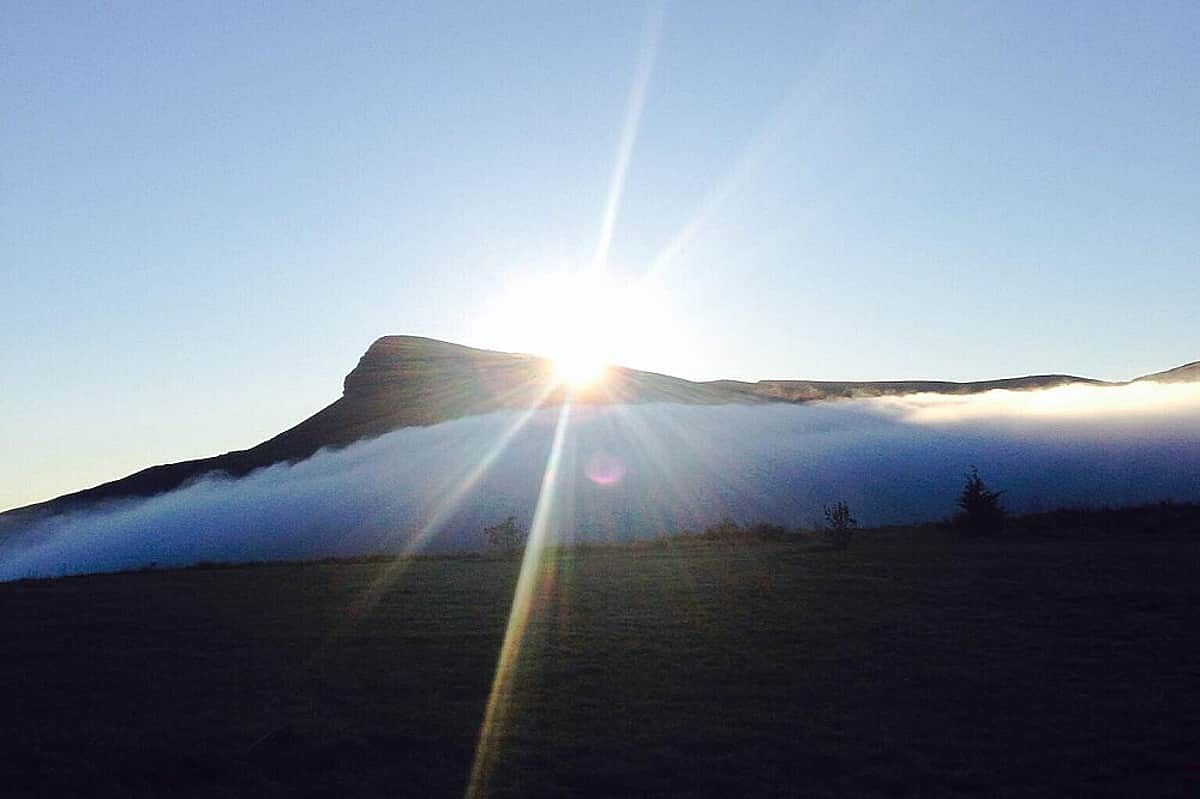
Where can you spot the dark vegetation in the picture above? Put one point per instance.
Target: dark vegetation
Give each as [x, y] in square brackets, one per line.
[1056, 659]
[982, 512]
[729, 531]
[505, 536]
[840, 524]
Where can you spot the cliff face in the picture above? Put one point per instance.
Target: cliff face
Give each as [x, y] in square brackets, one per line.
[422, 379]
[393, 363]
[405, 380]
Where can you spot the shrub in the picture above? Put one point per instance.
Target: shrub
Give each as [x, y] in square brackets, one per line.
[981, 509]
[505, 536]
[766, 531]
[724, 529]
[840, 524]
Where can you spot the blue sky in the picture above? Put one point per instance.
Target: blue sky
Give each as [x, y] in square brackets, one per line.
[208, 212]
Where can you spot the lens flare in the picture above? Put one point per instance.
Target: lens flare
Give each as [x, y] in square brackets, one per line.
[604, 469]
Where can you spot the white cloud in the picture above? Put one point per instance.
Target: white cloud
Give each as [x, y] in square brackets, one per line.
[641, 470]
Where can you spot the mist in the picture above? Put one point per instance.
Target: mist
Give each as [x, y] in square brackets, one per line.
[628, 472]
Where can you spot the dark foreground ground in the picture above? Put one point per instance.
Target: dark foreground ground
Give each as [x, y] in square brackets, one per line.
[912, 665]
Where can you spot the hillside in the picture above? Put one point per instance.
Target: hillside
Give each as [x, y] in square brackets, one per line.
[1188, 373]
[406, 381]
[814, 390]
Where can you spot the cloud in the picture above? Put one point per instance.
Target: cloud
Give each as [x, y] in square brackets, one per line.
[1137, 403]
[637, 471]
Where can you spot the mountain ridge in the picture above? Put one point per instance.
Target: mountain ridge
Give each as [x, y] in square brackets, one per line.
[1187, 373]
[405, 381]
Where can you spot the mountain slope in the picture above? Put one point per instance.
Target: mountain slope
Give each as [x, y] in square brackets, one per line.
[813, 390]
[404, 381]
[1188, 373]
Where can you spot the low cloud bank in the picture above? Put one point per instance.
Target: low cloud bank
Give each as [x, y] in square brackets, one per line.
[638, 471]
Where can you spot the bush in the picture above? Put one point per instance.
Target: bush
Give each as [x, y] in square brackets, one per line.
[840, 524]
[766, 531]
[725, 529]
[982, 512]
[505, 536]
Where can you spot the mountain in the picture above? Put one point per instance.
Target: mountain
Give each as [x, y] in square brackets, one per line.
[813, 390]
[1188, 373]
[405, 381]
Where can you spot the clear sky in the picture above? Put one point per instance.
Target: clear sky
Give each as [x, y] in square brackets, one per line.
[207, 212]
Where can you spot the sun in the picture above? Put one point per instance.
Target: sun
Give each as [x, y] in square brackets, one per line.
[579, 369]
[581, 329]
[583, 321]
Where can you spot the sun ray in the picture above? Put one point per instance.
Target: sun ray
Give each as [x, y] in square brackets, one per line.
[629, 129]
[453, 500]
[807, 102]
[446, 507]
[496, 714]
[369, 597]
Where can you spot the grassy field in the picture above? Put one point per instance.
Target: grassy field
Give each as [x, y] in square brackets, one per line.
[907, 665]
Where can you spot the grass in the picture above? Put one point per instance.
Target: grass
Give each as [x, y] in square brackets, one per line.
[911, 664]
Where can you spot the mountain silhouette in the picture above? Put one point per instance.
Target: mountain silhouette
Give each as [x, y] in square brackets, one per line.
[405, 381]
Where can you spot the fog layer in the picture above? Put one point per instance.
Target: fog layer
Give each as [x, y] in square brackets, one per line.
[640, 471]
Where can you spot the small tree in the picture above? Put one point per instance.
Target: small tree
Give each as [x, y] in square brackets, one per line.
[840, 523]
[981, 509]
[505, 536]
[726, 528]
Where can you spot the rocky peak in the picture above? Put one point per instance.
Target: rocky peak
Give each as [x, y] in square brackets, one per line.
[394, 361]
